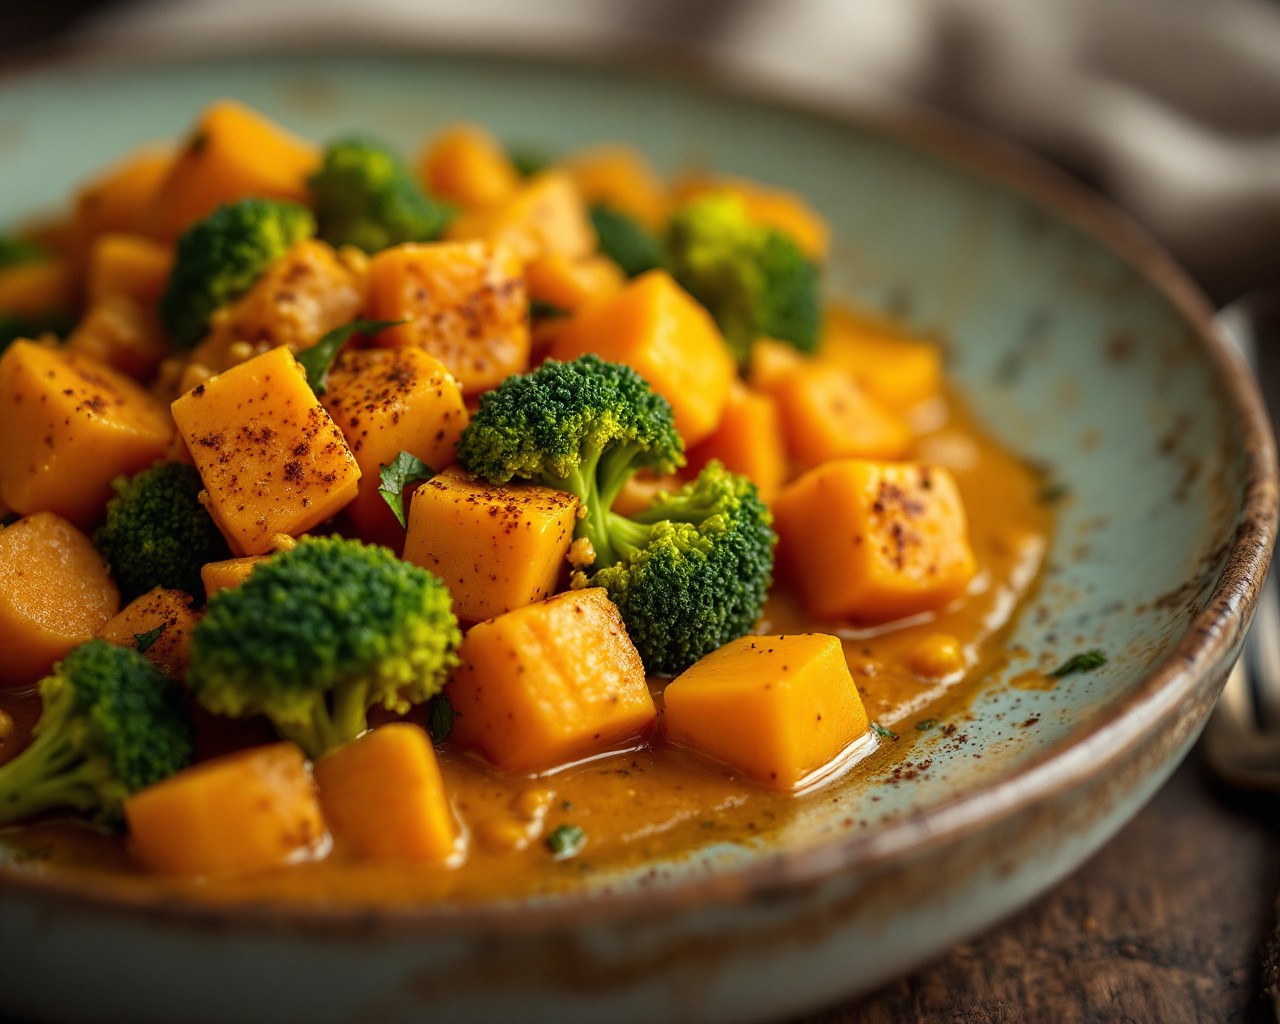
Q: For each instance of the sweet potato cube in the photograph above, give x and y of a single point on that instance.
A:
(387, 401)
(237, 813)
(232, 152)
(466, 165)
(620, 177)
(167, 611)
(384, 799)
(772, 361)
(827, 415)
(465, 303)
(895, 369)
(55, 592)
(122, 197)
(131, 265)
(299, 299)
(228, 573)
(30, 289)
(571, 284)
(270, 457)
(666, 336)
(874, 541)
(122, 333)
(776, 708)
(550, 683)
(748, 441)
(496, 548)
(546, 214)
(70, 426)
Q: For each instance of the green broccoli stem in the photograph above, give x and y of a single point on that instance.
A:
(628, 537)
(333, 722)
(52, 772)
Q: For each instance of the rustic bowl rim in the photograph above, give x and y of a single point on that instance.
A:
(1095, 746)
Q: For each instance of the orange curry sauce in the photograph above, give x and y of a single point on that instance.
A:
(654, 802)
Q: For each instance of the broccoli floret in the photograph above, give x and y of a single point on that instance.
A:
(220, 257)
(367, 196)
(693, 569)
(318, 635)
(157, 533)
(753, 278)
(625, 240)
(585, 427)
(15, 250)
(112, 724)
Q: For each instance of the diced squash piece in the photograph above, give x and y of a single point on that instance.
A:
(129, 265)
(771, 361)
(748, 441)
(167, 611)
(122, 197)
(55, 592)
(237, 813)
(571, 284)
(826, 415)
(270, 457)
(387, 401)
(297, 301)
(230, 572)
(496, 548)
(550, 683)
(466, 165)
(874, 541)
(123, 334)
(894, 368)
(776, 708)
(384, 799)
(29, 289)
(666, 336)
(776, 207)
(70, 426)
(545, 215)
(642, 490)
(620, 177)
(465, 303)
(232, 152)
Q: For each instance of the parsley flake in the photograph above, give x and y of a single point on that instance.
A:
(145, 641)
(1084, 662)
(882, 732)
(396, 475)
(440, 715)
(539, 310)
(317, 359)
(926, 725)
(566, 841)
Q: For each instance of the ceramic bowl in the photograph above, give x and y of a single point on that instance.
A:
(1078, 344)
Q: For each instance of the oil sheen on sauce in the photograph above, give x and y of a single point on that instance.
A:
(655, 802)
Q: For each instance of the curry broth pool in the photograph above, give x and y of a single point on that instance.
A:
(655, 802)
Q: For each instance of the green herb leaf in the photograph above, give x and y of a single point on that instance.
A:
(396, 475)
(539, 310)
(148, 639)
(926, 725)
(317, 359)
(1084, 662)
(566, 841)
(1051, 493)
(440, 716)
(882, 732)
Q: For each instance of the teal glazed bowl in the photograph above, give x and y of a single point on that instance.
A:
(1076, 342)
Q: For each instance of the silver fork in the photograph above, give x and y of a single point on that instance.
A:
(1242, 739)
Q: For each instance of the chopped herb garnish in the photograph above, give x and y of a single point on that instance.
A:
(926, 725)
(882, 732)
(1051, 493)
(566, 841)
(539, 310)
(147, 640)
(317, 359)
(440, 717)
(396, 475)
(1085, 662)
(567, 804)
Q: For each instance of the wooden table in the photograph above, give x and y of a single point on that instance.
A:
(1164, 926)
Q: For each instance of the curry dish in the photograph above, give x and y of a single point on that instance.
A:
(453, 529)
